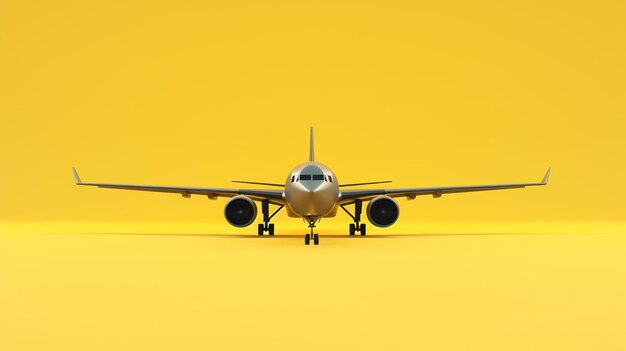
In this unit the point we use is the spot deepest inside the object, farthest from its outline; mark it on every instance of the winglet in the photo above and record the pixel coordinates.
(76, 177)
(546, 177)
(311, 154)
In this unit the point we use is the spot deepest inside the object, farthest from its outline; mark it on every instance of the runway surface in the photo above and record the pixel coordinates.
(166, 291)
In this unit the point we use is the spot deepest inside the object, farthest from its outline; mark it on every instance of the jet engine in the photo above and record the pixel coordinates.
(383, 211)
(240, 211)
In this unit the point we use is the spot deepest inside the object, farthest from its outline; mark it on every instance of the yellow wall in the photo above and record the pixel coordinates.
(423, 93)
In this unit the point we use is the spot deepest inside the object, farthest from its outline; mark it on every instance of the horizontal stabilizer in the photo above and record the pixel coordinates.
(366, 183)
(257, 183)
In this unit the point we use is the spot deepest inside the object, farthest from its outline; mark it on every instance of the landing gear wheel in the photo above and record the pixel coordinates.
(357, 226)
(316, 239)
(266, 226)
(307, 239)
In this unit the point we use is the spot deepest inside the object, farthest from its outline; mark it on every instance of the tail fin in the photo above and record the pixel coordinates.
(311, 154)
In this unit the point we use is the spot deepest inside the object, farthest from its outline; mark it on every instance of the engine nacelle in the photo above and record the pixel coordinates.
(383, 211)
(240, 211)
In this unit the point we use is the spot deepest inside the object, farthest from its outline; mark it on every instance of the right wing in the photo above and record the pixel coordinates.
(368, 194)
(211, 193)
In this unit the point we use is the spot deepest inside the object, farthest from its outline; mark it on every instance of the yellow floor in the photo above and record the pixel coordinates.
(542, 290)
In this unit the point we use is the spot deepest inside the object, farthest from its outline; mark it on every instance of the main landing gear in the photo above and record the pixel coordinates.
(357, 226)
(266, 226)
(307, 238)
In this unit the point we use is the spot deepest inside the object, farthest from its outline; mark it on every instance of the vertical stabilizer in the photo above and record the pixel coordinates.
(311, 153)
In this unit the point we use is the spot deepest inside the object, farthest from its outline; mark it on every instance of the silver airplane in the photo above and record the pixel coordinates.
(311, 191)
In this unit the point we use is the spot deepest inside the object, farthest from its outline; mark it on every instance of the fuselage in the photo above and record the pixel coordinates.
(311, 191)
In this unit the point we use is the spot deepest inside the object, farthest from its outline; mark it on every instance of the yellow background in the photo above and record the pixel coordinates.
(422, 93)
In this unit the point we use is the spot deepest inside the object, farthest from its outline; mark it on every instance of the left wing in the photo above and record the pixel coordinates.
(411, 193)
(211, 193)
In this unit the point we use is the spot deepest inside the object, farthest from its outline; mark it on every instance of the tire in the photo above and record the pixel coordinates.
(352, 229)
(316, 239)
(362, 229)
(307, 239)
(271, 229)
(261, 228)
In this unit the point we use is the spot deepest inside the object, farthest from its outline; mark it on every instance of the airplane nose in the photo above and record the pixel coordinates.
(310, 186)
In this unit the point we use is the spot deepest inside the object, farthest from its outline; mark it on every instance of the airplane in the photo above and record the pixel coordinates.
(311, 192)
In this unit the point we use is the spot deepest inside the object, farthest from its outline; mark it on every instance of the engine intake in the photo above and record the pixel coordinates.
(240, 211)
(383, 211)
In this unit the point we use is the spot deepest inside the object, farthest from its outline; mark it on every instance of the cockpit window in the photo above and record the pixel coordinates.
(293, 177)
(330, 179)
(312, 177)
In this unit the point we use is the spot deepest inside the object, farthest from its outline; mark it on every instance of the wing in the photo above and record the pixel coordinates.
(211, 193)
(411, 193)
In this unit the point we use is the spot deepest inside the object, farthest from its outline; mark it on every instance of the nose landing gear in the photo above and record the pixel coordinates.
(266, 226)
(316, 239)
(307, 238)
(357, 226)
